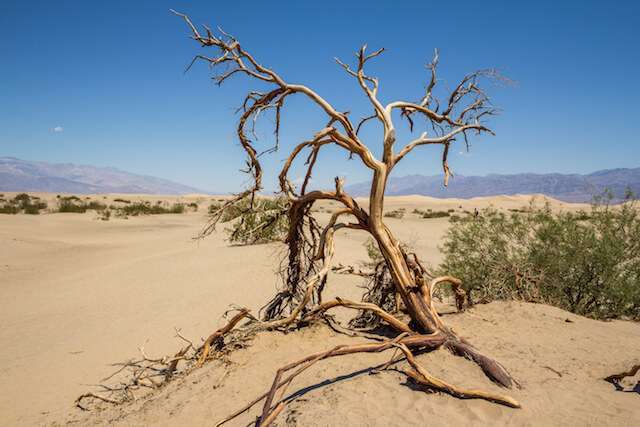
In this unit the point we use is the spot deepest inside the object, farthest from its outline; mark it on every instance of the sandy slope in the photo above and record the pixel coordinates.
(78, 293)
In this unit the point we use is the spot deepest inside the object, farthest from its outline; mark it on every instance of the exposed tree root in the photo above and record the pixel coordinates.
(423, 377)
(206, 347)
(492, 369)
(153, 373)
(403, 341)
(339, 302)
(615, 379)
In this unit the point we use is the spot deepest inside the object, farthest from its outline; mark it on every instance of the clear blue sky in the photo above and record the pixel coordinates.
(102, 83)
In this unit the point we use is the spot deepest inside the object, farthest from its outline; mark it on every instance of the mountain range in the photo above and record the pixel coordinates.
(23, 175)
(567, 187)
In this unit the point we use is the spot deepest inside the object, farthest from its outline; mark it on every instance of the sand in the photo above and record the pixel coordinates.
(78, 294)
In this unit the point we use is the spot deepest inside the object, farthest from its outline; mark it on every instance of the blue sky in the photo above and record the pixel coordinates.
(102, 83)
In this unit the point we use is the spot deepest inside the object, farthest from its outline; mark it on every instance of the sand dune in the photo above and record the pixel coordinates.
(79, 294)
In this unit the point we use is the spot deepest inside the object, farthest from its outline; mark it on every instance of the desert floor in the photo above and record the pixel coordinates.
(77, 294)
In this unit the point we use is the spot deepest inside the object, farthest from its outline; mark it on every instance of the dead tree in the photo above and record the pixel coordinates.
(310, 245)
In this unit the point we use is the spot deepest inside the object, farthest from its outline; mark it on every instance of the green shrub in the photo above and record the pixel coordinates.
(69, 198)
(146, 208)
(31, 209)
(68, 205)
(521, 210)
(398, 213)
(436, 214)
(176, 208)
(22, 203)
(587, 264)
(22, 198)
(9, 209)
(104, 214)
(265, 221)
(429, 213)
(95, 206)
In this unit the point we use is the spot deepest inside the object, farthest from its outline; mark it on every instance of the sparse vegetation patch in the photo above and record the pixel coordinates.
(398, 213)
(429, 213)
(30, 205)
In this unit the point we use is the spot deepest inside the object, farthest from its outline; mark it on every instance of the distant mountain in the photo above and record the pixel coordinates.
(570, 188)
(22, 175)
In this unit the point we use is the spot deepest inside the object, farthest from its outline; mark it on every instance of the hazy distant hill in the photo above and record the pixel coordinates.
(570, 188)
(22, 175)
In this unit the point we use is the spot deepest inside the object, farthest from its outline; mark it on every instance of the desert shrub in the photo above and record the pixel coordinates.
(146, 208)
(263, 221)
(31, 209)
(68, 205)
(22, 203)
(137, 208)
(9, 209)
(398, 213)
(582, 216)
(176, 208)
(122, 201)
(194, 206)
(430, 213)
(22, 198)
(69, 198)
(95, 206)
(373, 252)
(587, 264)
(435, 214)
(104, 214)
(518, 210)
(213, 207)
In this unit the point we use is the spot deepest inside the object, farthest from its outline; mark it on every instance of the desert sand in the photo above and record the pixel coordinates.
(78, 294)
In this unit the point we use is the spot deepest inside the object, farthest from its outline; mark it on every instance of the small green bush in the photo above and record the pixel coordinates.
(176, 208)
(22, 198)
(31, 209)
(104, 214)
(585, 263)
(398, 213)
(95, 206)
(264, 221)
(68, 205)
(22, 203)
(213, 207)
(436, 214)
(521, 210)
(9, 209)
(429, 213)
(146, 208)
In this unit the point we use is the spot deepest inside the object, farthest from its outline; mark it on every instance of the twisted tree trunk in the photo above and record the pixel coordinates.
(418, 307)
